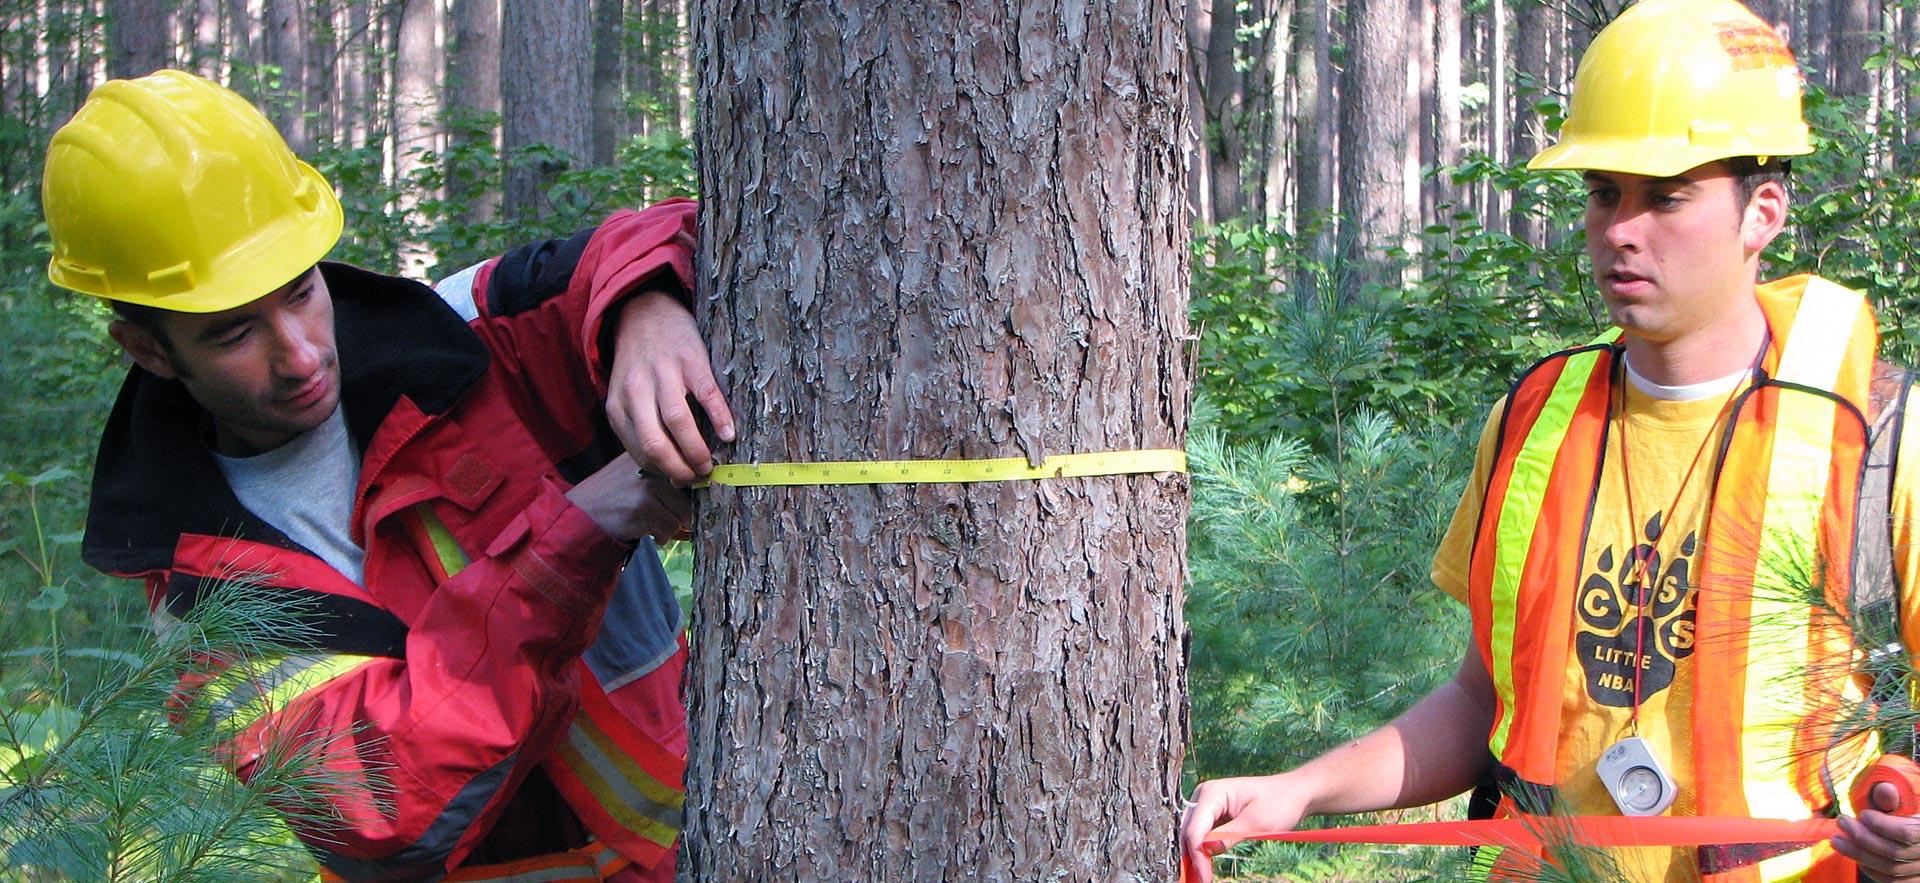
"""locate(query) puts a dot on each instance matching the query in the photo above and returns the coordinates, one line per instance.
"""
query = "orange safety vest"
(1774, 677)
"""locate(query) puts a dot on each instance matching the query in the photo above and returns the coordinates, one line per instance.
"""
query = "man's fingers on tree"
(689, 446)
(707, 393)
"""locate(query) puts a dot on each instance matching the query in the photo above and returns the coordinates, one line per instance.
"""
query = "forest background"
(1371, 267)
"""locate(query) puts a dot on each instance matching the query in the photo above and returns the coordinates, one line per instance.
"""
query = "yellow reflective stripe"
(452, 558)
(249, 691)
(1789, 578)
(637, 801)
(1519, 514)
(1822, 326)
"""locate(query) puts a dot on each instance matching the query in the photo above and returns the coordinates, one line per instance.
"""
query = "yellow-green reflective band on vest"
(639, 802)
(1526, 490)
(250, 690)
(452, 558)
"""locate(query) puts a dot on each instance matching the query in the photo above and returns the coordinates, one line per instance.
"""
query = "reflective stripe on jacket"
(460, 690)
(1769, 699)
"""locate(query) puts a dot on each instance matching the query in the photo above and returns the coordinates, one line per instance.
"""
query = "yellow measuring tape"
(946, 471)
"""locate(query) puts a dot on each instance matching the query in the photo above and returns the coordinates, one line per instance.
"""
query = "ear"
(143, 347)
(1764, 217)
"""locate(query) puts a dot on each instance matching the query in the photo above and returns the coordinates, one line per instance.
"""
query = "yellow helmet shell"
(1674, 84)
(171, 191)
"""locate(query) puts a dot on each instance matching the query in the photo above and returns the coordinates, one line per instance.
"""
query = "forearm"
(1436, 749)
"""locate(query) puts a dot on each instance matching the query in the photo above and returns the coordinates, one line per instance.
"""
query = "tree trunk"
(323, 64)
(1198, 23)
(1495, 201)
(356, 93)
(1911, 37)
(1318, 145)
(1853, 41)
(284, 36)
(544, 95)
(416, 111)
(1446, 78)
(473, 92)
(609, 118)
(912, 682)
(1375, 137)
(1224, 85)
(137, 36)
(1526, 133)
(1819, 42)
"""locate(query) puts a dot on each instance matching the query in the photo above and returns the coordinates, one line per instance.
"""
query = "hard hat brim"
(1651, 157)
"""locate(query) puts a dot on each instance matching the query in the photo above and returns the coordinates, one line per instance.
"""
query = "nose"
(1621, 229)
(296, 356)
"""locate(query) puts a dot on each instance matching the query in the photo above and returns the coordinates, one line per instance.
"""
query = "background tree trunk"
(1375, 137)
(1316, 131)
(544, 94)
(137, 36)
(284, 36)
(1223, 86)
(609, 118)
(473, 90)
(1446, 79)
(897, 681)
(1526, 134)
(1853, 41)
(416, 116)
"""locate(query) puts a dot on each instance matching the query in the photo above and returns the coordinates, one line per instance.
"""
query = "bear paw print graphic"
(1634, 611)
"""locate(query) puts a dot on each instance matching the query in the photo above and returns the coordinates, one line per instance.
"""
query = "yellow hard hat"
(1673, 84)
(170, 191)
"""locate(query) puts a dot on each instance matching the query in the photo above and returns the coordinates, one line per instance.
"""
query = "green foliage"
(1856, 215)
(96, 783)
(381, 225)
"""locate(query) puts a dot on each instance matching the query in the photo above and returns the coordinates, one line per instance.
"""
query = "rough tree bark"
(137, 36)
(544, 94)
(941, 229)
(1374, 138)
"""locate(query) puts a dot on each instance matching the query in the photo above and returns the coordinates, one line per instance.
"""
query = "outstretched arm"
(1434, 750)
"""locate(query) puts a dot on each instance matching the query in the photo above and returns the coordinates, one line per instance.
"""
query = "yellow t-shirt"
(1662, 441)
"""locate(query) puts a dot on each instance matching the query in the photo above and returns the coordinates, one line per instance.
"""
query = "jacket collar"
(154, 478)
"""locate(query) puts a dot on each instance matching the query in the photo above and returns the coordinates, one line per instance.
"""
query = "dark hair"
(1749, 173)
(146, 318)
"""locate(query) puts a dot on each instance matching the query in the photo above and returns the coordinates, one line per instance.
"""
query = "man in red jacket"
(433, 476)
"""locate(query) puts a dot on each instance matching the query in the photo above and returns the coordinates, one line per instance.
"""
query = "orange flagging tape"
(1534, 832)
(1891, 769)
(1538, 832)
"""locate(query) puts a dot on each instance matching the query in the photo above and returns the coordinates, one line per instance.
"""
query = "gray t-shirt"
(305, 488)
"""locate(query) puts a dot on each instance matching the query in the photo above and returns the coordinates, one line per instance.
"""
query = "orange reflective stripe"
(626, 787)
(1551, 436)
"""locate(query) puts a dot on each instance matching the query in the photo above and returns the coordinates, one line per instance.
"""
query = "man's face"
(266, 370)
(1670, 254)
